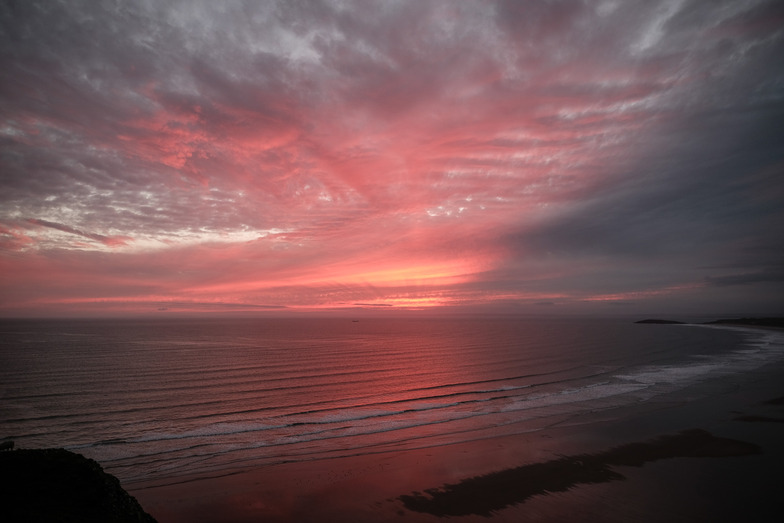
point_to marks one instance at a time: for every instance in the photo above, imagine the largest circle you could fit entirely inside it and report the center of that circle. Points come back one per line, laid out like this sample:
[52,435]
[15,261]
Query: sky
[532,157]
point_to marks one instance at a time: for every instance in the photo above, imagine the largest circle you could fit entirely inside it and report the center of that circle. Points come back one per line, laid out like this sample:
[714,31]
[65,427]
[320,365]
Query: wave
[206,415]
[363,422]
[243,395]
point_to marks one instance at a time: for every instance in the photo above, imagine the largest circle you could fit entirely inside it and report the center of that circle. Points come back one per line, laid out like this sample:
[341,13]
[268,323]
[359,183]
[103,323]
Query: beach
[409,420]
[730,473]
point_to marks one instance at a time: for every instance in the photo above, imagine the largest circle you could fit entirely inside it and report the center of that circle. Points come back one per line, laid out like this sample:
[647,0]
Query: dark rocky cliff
[55,485]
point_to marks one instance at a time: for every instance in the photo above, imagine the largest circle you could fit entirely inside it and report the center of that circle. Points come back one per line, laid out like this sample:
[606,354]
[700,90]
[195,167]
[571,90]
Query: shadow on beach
[484,495]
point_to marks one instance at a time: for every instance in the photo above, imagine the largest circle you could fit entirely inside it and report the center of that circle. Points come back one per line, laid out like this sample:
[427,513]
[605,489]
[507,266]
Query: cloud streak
[323,155]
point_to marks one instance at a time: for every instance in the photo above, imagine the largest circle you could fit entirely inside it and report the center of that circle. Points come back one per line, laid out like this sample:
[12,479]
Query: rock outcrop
[46,485]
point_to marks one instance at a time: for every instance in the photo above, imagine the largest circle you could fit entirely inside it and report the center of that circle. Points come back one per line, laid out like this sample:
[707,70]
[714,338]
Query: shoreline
[764,323]
[381,487]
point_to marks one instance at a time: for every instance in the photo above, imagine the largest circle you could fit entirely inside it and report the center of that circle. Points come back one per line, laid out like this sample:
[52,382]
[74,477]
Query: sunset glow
[279,156]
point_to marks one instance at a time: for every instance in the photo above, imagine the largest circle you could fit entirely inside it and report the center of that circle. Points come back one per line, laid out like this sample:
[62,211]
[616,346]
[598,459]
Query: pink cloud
[423,154]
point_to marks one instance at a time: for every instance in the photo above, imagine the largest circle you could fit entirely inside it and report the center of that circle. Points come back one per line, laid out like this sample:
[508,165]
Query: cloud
[323,153]
[746,278]
[110,241]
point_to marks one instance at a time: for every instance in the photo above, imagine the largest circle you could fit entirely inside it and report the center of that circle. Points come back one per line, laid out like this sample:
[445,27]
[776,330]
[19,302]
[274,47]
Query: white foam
[759,349]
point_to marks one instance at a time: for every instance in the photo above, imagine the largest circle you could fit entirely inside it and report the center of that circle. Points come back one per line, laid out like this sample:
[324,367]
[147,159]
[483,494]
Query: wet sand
[714,458]
[491,493]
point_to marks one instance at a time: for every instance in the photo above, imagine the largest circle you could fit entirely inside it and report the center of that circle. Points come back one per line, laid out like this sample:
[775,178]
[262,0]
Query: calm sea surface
[163,399]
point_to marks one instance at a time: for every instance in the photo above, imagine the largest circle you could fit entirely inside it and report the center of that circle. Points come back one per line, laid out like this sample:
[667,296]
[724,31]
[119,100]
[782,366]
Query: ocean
[163,400]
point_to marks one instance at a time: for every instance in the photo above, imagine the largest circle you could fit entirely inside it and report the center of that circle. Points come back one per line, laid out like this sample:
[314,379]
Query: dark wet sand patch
[769,407]
[486,494]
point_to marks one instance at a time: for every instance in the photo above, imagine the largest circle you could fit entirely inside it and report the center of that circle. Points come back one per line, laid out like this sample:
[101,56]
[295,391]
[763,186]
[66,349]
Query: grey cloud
[712,180]
[746,278]
[106,240]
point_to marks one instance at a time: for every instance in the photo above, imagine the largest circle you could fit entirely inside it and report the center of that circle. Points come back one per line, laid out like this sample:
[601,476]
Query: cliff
[47,485]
